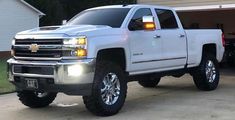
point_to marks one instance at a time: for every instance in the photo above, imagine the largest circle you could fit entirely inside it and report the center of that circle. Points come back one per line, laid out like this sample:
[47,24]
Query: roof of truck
[130,6]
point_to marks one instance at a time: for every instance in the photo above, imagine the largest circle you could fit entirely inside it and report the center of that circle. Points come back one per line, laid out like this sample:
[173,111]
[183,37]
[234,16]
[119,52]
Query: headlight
[81,52]
[82,40]
[78,46]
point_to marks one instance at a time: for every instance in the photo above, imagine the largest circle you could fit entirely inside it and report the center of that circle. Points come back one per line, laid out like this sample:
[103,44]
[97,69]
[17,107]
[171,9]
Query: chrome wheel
[210,71]
[40,94]
[110,90]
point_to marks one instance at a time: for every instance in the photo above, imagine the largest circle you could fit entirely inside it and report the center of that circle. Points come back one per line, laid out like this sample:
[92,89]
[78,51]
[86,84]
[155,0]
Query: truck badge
[34,48]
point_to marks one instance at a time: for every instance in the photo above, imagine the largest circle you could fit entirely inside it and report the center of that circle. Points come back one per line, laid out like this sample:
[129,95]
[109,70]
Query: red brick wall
[5,54]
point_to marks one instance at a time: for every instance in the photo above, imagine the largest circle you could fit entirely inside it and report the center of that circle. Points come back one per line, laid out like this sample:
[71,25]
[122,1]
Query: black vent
[49,28]
[46,70]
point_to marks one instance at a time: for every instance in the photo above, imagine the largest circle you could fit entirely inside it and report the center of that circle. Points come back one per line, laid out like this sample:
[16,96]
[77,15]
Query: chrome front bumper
[57,80]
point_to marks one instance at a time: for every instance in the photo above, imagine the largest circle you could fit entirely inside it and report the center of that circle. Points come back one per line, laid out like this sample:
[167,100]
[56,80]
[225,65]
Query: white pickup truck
[101,49]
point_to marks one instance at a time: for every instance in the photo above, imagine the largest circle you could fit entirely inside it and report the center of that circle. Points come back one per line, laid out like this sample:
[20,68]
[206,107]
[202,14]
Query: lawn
[5,86]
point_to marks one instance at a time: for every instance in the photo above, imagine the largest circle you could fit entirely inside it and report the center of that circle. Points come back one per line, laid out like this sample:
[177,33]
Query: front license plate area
[31,83]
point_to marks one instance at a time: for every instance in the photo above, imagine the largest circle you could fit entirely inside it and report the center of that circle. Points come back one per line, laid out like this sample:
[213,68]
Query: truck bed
[200,37]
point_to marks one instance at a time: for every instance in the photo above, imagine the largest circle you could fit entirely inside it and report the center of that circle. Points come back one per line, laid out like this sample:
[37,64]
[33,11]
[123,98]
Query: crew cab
[101,49]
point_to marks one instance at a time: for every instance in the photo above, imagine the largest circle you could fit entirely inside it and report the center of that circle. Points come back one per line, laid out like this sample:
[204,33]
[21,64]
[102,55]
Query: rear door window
[166,18]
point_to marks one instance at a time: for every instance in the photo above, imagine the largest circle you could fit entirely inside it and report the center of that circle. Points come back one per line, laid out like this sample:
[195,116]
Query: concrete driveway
[173,99]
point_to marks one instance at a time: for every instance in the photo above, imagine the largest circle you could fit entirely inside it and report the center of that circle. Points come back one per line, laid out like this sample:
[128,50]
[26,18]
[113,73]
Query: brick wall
[5,54]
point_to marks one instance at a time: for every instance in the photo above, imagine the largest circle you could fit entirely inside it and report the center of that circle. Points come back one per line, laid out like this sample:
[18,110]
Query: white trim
[228,6]
[33,8]
[207,7]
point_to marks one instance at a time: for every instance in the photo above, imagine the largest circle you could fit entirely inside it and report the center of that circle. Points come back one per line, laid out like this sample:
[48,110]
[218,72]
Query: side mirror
[148,23]
[64,22]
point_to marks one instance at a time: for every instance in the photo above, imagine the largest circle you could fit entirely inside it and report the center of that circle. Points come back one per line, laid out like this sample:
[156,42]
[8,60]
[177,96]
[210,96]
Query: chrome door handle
[157,36]
[181,35]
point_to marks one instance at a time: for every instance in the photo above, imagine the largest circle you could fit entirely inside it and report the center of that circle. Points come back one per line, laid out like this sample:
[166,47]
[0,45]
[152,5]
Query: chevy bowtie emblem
[34,48]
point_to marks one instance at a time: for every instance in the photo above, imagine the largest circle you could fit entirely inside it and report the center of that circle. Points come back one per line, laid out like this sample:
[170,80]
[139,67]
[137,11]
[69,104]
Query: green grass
[5,85]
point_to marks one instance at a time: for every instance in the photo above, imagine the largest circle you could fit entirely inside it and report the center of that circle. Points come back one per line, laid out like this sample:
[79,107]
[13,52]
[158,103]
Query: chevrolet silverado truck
[101,49]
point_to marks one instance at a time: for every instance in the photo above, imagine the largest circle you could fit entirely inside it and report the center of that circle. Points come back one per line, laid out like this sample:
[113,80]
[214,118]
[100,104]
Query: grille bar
[41,53]
[39,41]
[41,47]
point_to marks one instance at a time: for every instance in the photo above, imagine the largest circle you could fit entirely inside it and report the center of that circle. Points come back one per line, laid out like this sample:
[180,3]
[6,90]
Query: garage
[212,17]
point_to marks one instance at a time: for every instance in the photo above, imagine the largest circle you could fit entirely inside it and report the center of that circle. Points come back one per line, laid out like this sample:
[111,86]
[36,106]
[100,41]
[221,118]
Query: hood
[68,30]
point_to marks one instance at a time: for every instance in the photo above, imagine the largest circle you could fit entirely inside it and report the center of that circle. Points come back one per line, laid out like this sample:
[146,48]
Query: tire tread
[93,103]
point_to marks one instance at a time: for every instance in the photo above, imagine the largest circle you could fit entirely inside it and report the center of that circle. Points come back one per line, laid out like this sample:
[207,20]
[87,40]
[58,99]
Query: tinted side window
[137,18]
[166,19]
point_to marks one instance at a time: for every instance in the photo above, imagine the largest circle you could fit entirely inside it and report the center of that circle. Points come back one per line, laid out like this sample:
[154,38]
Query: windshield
[112,17]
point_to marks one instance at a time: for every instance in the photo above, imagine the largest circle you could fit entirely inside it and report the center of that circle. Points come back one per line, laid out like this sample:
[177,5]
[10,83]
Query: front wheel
[36,99]
[109,90]
[149,82]
[206,76]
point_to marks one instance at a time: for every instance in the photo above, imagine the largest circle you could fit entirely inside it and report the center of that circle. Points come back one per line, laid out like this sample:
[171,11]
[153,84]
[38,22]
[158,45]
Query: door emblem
[34,48]
[137,54]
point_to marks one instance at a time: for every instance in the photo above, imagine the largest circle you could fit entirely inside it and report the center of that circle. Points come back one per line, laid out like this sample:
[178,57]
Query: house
[15,16]
[203,13]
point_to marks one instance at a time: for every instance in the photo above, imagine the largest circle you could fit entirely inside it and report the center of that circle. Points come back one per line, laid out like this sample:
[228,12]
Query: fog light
[75,70]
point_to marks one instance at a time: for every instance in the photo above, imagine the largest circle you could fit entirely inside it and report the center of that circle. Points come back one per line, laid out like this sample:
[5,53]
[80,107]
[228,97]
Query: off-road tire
[199,74]
[149,82]
[94,103]
[30,99]
[231,58]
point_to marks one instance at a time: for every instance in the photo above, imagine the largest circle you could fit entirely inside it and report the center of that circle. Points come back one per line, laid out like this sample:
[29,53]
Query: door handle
[157,36]
[181,35]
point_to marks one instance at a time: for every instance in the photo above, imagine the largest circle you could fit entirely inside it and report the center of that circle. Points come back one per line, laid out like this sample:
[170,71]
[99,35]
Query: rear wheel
[150,81]
[231,58]
[36,99]
[109,90]
[206,76]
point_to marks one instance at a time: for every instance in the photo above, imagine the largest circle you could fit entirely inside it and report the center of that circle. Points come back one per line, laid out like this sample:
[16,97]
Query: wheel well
[116,55]
[209,49]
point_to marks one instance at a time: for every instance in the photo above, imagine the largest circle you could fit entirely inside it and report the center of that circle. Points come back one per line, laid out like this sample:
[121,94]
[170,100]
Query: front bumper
[53,76]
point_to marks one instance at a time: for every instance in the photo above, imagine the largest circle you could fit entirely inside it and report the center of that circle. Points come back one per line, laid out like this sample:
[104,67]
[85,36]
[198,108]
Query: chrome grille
[48,48]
